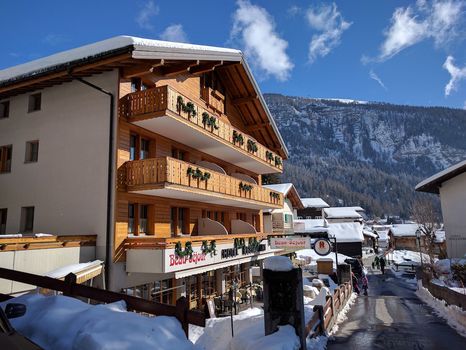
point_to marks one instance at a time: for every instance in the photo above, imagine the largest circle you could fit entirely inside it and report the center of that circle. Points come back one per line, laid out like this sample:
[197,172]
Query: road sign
[290,243]
[322,246]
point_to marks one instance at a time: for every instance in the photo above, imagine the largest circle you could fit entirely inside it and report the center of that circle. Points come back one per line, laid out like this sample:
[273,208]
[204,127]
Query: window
[143,215]
[27,219]
[135,84]
[178,154]
[34,102]
[179,221]
[144,152]
[4,109]
[288,218]
[241,216]
[131,218]
[3,213]
[132,147]
[5,158]
[32,151]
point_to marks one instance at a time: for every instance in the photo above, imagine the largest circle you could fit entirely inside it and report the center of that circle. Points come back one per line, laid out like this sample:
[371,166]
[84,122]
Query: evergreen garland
[245,187]
[252,146]
[209,120]
[238,138]
[275,195]
[198,174]
[206,248]
[188,249]
[185,107]
[269,156]
[278,161]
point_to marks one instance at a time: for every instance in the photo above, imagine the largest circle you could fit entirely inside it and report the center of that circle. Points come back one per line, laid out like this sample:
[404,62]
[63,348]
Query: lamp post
[418,237]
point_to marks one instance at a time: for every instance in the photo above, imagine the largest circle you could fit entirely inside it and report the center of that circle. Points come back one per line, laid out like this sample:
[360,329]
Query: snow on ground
[59,322]
[313,256]
[445,277]
[453,314]
[407,257]
[278,263]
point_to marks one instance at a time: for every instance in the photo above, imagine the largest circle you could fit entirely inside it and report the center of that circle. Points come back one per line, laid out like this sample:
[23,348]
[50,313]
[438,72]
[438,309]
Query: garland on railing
[269,156]
[275,195]
[238,138]
[209,120]
[278,161]
[252,146]
[239,243]
[209,249]
[245,187]
[185,107]
[198,174]
[188,249]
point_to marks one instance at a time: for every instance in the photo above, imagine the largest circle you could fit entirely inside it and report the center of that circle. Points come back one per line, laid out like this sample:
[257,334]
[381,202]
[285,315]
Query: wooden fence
[324,317]
[69,287]
[446,294]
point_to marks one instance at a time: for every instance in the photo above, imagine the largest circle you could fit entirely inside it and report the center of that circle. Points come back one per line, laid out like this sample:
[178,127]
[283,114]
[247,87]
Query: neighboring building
[164,166]
[342,214]
[370,238]
[403,236]
[450,184]
[383,238]
[312,208]
[281,221]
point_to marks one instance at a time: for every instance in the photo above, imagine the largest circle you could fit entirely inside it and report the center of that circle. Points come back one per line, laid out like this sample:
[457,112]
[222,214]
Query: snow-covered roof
[314,203]
[285,190]
[433,183]
[369,233]
[140,48]
[341,213]
[383,235]
[309,225]
[346,232]
[404,230]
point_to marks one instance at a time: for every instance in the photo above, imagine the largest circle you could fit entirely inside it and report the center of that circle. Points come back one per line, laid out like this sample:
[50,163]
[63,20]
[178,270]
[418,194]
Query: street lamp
[418,237]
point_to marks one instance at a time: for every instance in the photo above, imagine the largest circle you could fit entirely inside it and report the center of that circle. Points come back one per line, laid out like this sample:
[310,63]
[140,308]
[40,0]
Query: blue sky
[407,52]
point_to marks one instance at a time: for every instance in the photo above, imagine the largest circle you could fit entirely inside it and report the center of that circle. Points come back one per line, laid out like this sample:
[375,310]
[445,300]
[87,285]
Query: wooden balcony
[173,178]
[163,110]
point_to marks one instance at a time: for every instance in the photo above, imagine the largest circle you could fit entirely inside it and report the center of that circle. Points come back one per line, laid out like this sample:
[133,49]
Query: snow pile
[74,268]
[310,225]
[313,256]
[249,333]
[59,322]
[342,315]
[278,263]
[453,314]
[446,278]
[407,257]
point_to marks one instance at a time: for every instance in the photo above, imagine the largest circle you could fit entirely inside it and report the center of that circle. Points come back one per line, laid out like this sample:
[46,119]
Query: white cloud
[293,10]
[54,39]
[329,21]
[437,20]
[174,32]
[255,29]
[375,77]
[149,10]
[457,74]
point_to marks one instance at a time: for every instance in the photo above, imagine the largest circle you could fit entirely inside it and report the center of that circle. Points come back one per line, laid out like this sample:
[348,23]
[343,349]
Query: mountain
[365,153]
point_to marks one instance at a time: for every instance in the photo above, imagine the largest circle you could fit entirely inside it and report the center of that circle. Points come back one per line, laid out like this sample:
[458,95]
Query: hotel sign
[291,243]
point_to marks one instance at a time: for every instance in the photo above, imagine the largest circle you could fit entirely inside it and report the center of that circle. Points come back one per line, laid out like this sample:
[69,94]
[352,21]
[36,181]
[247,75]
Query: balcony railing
[155,102]
[153,173]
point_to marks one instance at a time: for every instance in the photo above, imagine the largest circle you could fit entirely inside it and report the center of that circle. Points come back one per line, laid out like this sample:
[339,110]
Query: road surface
[392,317]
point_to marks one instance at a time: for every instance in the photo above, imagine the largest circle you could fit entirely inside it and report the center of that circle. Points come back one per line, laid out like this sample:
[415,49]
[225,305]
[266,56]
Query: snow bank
[311,254]
[249,333]
[342,315]
[59,322]
[453,314]
[407,257]
[278,263]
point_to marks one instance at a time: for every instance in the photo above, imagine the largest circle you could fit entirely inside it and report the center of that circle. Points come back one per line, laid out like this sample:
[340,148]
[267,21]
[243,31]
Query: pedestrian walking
[376,261]
[382,265]
[354,279]
[365,284]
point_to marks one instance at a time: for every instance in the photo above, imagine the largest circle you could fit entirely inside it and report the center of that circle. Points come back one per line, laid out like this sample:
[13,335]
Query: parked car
[10,339]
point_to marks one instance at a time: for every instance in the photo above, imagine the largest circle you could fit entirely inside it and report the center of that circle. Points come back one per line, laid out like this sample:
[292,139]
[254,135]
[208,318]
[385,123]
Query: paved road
[392,317]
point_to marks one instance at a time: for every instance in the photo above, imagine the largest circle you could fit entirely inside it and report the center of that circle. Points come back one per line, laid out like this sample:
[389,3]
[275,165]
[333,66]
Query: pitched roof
[346,232]
[314,203]
[433,183]
[404,230]
[56,66]
[288,190]
[341,213]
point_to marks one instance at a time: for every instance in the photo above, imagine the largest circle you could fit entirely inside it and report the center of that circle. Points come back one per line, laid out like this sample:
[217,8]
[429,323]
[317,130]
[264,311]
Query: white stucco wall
[68,184]
[453,200]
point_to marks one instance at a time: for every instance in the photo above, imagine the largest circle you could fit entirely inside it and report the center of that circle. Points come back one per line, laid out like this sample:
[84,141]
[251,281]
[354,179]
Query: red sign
[322,247]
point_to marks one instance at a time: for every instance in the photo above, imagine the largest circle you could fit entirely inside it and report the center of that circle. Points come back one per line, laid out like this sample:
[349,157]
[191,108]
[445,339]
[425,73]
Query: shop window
[35,102]
[3,214]
[4,109]
[27,219]
[32,152]
[5,158]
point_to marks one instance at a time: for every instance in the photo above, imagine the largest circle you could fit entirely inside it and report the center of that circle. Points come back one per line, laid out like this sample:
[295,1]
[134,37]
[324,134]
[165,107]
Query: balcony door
[140,147]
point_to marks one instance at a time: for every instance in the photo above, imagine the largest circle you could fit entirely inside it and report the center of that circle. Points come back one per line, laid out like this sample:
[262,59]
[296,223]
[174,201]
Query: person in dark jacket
[382,265]
[354,279]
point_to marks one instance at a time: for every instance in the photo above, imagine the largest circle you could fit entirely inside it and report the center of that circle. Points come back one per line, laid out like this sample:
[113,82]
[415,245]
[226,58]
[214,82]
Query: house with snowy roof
[312,208]
[403,236]
[342,214]
[155,148]
[281,221]
[450,185]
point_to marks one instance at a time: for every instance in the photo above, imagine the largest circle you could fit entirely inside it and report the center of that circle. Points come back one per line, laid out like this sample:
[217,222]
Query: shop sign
[322,246]
[291,243]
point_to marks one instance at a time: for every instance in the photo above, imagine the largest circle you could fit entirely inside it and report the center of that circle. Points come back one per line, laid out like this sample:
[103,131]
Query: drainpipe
[108,249]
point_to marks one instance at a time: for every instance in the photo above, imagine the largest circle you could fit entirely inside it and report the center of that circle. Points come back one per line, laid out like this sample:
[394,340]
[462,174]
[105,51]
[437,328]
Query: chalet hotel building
[157,148]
